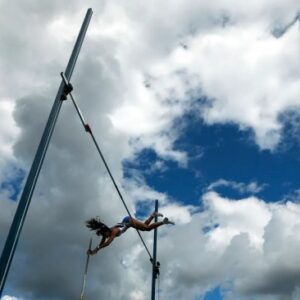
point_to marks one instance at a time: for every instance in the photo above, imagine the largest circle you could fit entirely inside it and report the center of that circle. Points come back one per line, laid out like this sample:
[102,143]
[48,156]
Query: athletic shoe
[167,221]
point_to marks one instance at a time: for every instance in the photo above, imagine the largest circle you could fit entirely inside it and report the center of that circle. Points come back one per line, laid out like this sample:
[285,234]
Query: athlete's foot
[91,252]
[157,214]
[167,221]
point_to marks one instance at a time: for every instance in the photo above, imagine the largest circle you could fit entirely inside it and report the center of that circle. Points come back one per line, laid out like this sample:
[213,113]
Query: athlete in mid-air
[108,234]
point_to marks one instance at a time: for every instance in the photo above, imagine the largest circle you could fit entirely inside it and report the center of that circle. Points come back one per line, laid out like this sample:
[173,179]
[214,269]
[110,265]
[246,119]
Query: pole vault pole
[20,215]
[155,265]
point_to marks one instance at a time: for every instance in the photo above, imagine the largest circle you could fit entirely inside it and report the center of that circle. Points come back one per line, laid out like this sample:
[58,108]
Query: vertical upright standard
[20,215]
[154,263]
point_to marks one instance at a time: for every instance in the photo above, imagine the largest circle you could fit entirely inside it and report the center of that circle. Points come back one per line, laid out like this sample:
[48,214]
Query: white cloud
[139,191]
[6,297]
[237,218]
[250,76]
[180,214]
[251,253]
[252,187]
[133,80]
[8,129]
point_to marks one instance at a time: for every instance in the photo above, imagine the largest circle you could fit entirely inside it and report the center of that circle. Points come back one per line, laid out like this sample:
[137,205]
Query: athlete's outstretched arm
[105,242]
[94,251]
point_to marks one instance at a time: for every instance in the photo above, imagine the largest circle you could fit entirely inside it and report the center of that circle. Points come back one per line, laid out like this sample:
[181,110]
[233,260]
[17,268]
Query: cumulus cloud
[9,130]
[252,187]
[249,76]
[252,83]
[250,250]
[140,192]
[137,73]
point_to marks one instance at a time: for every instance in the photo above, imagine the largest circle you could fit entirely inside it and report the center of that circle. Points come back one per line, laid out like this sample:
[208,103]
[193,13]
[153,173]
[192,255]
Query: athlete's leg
[151,217]
[149,220]
[143,226]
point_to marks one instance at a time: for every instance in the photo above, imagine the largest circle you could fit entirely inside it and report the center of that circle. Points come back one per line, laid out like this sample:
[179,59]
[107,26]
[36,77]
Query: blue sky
[213,295]
[216,152]
[222,151]
[13,184]
[193,103]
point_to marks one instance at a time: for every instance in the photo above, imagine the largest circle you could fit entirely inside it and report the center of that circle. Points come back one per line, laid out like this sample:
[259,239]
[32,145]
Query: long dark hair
[96,225]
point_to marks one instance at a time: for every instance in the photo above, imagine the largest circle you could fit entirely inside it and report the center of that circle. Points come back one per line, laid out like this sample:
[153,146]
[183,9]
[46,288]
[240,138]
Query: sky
[193,103]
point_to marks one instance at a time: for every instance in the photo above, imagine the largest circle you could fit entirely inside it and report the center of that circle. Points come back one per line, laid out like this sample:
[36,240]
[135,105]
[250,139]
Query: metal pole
[20,215]
[154,266]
